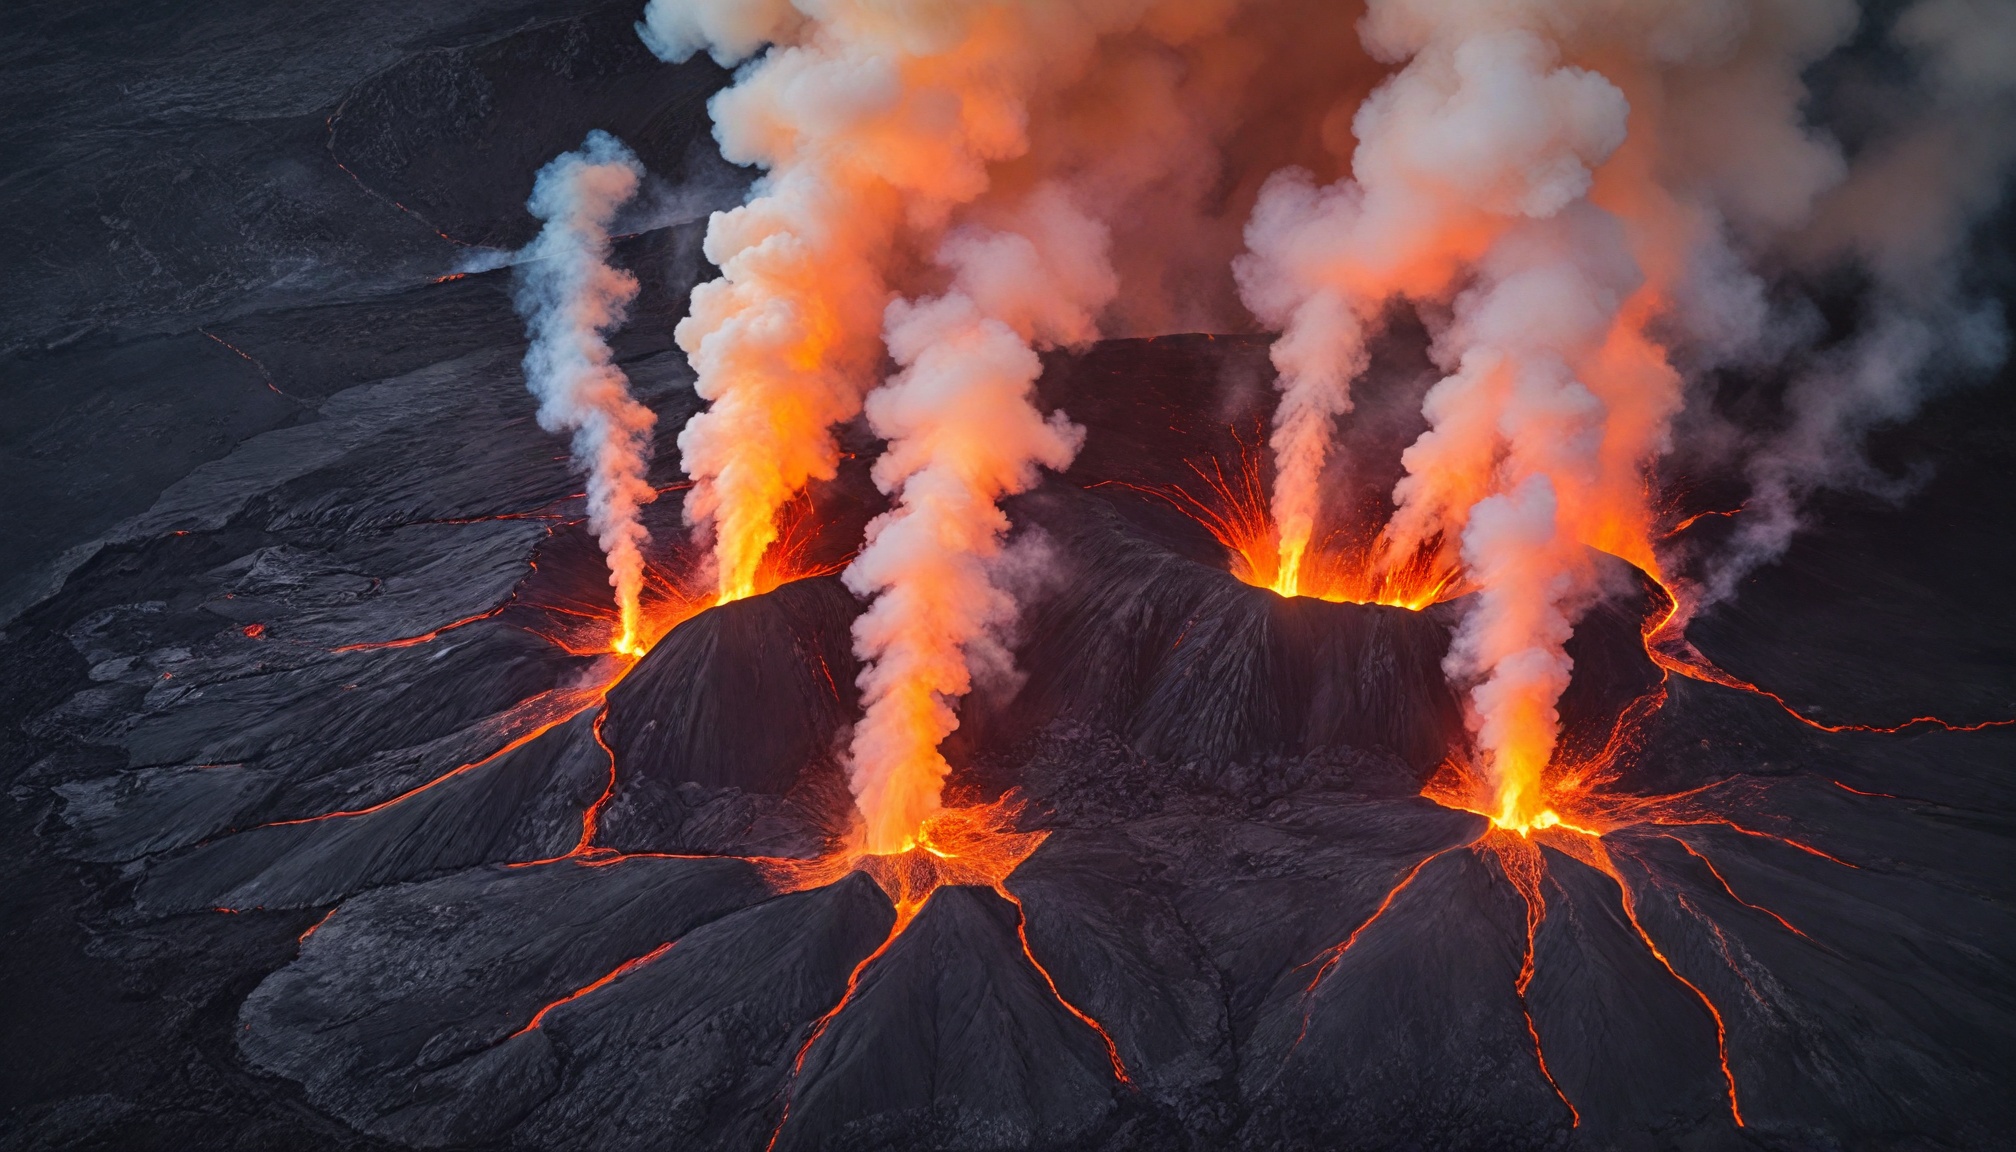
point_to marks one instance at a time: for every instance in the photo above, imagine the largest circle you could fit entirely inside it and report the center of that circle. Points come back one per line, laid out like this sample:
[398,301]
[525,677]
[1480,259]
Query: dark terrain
[252,428]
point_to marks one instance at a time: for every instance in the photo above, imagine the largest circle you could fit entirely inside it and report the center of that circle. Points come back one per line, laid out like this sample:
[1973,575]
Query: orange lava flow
[1343,569]
[1577,817]
[1731,892]
[1029,954]
[613,975]
[956,846]
[1630,906]
[249,359]
[584,849]
[777,554]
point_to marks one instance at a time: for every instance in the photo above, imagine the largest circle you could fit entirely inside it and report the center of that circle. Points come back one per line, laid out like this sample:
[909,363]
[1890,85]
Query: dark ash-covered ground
[276,436]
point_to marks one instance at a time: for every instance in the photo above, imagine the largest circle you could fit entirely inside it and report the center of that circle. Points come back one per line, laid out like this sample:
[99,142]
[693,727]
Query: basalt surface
[330,825]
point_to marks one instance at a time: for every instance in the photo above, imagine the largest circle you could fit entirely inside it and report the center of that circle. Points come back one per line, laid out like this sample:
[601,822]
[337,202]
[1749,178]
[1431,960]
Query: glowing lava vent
[1346,567]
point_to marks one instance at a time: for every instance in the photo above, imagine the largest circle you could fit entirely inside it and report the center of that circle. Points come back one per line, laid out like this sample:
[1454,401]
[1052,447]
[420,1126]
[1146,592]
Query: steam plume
[963,431]
[877,124]
[1583,186]
[880,222]
[570,296]
[1576,194]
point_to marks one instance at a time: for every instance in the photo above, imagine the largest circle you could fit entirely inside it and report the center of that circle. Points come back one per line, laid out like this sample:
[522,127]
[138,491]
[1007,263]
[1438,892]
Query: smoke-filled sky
[1601,210]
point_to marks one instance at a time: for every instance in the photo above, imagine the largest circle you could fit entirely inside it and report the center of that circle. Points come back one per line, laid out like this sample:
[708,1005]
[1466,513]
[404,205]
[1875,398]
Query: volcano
[335,822]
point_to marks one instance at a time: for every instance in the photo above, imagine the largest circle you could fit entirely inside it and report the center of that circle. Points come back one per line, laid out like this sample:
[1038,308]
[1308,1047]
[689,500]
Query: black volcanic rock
[744,694]
[1414,1038]
[449,133]
[954,1040]
[1194,665]
[1121,952]
[407,1012]
[693,1050]
[727,729]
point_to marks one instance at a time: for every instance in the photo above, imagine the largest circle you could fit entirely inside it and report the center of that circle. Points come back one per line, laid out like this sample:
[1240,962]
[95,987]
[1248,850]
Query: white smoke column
[1478,155]
[884,128]
[784,343]
[1470,137]
[1581,166]
[570,296]
[963,431]
[879,125]
[873,125]
[1519,420]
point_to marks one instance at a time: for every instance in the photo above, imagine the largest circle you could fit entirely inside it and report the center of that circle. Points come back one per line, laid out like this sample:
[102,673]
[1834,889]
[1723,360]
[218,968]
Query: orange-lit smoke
[879,125]
[941,175]
[569,296]
[1539,174]
[963,431]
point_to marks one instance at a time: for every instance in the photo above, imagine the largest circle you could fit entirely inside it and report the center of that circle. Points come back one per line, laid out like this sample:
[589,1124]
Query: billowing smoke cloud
[1575,192]
[876,125]
[569,296]
[1577,195]
[1938,163]
[916,157]
[963,432]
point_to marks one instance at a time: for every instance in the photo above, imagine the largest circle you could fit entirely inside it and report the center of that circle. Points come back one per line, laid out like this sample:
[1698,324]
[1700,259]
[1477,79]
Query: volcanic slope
[347,690]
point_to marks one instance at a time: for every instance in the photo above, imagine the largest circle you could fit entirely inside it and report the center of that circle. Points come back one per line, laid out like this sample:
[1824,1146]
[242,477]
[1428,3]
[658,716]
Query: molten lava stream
[1334,955]
[957,846]
[1524,868]
[424,637]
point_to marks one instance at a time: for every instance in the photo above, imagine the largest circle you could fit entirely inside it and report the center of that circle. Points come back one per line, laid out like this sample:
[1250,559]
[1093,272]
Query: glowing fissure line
[615,974]
[906,914]
[825,1021]
[1717,873]
[1528,886]
[1540,1056]
[1629,904]
[425,637]
[591,816]
[248,358]
[471,766]
[1335,954]
[1709,674]
[314,928]
[1106,1038]
[1709,821]
[329,146]
[1690,521]
[827,672]
[1722,946]
[1874,795]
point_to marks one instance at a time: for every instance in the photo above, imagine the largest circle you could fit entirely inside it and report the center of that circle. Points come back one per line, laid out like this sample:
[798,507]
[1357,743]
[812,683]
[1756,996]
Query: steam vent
[1008,576]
